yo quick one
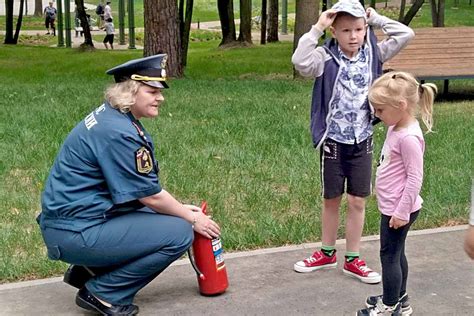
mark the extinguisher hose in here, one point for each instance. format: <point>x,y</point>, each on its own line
<point>193,264</point>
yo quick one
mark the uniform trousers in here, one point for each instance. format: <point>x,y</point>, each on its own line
<point>133,249</point>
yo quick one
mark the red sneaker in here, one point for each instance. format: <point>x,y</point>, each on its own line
<point>358,269</point>
<point>317,261</point>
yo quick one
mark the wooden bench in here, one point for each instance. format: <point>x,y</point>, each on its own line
<point>437,53</point>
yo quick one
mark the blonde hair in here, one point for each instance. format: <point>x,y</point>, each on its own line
<point>394,86</point>
<point>122,95</point>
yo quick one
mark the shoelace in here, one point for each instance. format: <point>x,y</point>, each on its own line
<point>362,265</point>
<point>381,308</point>
<point>313,258</point>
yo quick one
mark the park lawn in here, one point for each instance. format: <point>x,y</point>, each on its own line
<point>233,132</point>
<point>206,10</point>
<point>203,11</point>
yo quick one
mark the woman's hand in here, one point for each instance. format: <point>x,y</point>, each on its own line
<point>203,224</point>
<point>396,223</point>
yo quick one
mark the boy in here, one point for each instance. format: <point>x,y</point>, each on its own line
<point>109,31</point>
<point>341,120</point>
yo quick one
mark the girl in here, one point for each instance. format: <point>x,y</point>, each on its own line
<point>396,97</point>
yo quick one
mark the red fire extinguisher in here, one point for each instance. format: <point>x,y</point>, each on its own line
<point>208,262</point>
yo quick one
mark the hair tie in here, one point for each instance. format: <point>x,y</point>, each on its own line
<point>420,89</point>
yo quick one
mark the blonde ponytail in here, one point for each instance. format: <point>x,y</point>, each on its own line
<point>427,96</point>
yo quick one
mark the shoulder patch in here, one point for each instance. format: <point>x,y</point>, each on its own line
<point>143,160</point>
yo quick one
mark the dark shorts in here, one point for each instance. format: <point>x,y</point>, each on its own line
<point>109,38</point>
<point>49,22</point>
<point>344,165</point>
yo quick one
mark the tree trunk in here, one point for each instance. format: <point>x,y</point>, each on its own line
<point>412,12</point>
<point>437,13</point>
<point>162,33</point>
<point>401,14</point>
<point>226,16</point>
<point>373,3</point>
<point>18,22</point>
<point>272,35</point>
<point>263,23</point>
<point>441,10</point>
<point>245,34</point>
<point>9,22</point>
<point>38,8</point>
<point>434,13</point>
<point>306,15</point>
<point>186,30</point>
<point>81,14</point>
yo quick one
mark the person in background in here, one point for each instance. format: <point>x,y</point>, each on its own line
<point>77,22</point>
<point>107,11</point>
<point>342,119</point>
<point>109,34</point>
<point>104,209</point>
<point>397,98</point>
<point>99,10</point>
<point>50,13</point>
<point>469,239</point>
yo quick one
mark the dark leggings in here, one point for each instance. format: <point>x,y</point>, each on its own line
<point>394,261</point>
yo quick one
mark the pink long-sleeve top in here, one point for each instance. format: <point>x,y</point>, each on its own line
<point>400,172</point>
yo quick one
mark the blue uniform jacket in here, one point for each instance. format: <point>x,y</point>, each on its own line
<point>103,167</point>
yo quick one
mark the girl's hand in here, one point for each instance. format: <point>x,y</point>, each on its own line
<point>396,223</point>
<point>204,225</point>
<point>326,19</point>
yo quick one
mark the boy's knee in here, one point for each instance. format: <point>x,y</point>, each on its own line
<point>356,203</point>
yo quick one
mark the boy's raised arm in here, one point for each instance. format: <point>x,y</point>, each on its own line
<point>309,60</point>
<point>398,34</point>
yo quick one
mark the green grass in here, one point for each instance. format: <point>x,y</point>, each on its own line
<point>206,10</point>
<point>462,15</point>
<point>203,11</point>
<point>233,132</point>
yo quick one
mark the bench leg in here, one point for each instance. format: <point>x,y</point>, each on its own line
<point>446,87</point>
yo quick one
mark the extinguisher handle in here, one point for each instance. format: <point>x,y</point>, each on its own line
<point>193,264</point>
<point>204,207</point>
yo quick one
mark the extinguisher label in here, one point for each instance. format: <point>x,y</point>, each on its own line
<point>218,253</point>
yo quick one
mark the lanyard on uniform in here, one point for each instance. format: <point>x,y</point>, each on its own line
<point>140,132</point>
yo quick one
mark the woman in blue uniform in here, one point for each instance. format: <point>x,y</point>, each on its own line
<point>103,208</point>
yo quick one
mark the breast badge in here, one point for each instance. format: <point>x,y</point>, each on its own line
<point>143,160</point>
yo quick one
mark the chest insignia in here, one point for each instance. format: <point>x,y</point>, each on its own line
<point>143,160</point>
